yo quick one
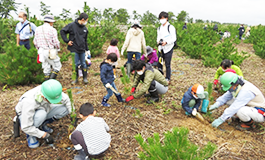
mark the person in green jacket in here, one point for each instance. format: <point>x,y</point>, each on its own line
<point>226,64</point>
<point>153,82</point>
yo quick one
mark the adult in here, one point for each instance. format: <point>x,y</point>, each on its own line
<point>215,28</point>
<point>184,26</point>
<point>134,42</point>
<point>248,31</point>
<point>24,30</point>
<point>77,43</point>
<point>46,39</point>
<point>153,82</point>
<point>38,107</point>
<point>166,34</point>
<point>205,27</point>
<point>241,31</point>
<point>249,103</point>
<point>226,34</point>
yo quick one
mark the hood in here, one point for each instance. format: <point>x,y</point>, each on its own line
<point>136,31</point>
<point>104,63</point>
<point>80,25</point>
<point>148,66</point>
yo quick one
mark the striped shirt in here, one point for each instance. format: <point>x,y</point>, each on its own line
<point>94,130</point>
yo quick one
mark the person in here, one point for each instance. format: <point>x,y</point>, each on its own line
<point>24,30</point>
<point>114,49</point>
<point>134,42</point>
<point>224,66</point>
<point>226,35</point>
<point>166,33</point>
<point>215,27</point>
<point>45,39</point>
<point>248,31</point>
<point>249,103</point>
<point>241,31</point>
<point>107,78</point>
<point>38,107</point>
<point>191,100</point>
<point>153,82</point>
<point>205,27</point>
<point>77,43</point>
<point>184,26</point>
<point>91,137</point>
<point>151,56</point>
<point>221,34</point>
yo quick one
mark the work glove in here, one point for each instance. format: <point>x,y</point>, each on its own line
<point>133,89</point>
<point>48,139</point>
<point>122,52</point>
<point>194,112</point>
<point>107,85</point>
<point>215,81</point>
<point>214,106</point>
<point>128,99</point>
<point>217,122</point>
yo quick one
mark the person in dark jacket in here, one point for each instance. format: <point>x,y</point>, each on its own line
<point>77,42</point>
<point>215,28</point>
<point>107,78</point>
<point>241,31</point>
<point>184,26</point>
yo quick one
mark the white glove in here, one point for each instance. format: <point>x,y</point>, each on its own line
<point>194,112</point>
<point>88,53</point>
<point>122,52</point>
<point>107,85</point>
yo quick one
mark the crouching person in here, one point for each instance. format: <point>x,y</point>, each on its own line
<point>38,107</point>
<point>191,100</point>
<point>91,137</point>
<point>153,82</point>
<point>249,103</point>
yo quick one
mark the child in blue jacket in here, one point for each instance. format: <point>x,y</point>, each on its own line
<point>107,78</point>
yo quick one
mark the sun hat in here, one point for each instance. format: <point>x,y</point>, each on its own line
<point>49,18</point>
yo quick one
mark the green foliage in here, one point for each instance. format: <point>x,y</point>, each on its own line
<point>175,145</point>
<point>65,14</point>
<point>7,30</point>
<point>6,6</point>
<point>73,113</point>
<point>149,18</point>
<point>150,33</point>
<point>122,16</point>
<point>64,57</point>
<point>95,40</point>
<point>182,16</point>
<point>138,113</point>
<point>73,66</point>
<point>44,9</point>
<point>125,81</point>
<point>257,37</point>
<point>136,16</point>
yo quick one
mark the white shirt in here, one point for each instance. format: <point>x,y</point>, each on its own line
<point>25,32</point>
<point>170,38</point>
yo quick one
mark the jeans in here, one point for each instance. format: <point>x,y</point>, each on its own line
<point>110,92</point>
<point>130,56</point>
<point>240,36</point>
<point>25,43</point>
<point>80,60</point>
<point>167,58</point>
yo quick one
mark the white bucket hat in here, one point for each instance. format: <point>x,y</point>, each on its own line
<point>49,18</point>
<point>137,23</point>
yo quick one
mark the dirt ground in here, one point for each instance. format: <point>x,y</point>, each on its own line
<point>232,144</point>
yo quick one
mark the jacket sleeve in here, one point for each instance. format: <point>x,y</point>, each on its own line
<point>105,125</point>
<point>238,70</point>
<point>136,81</point>
<point>65,31</point>
<point>149,76</point>
<point>198,103</point>
<point>153,59</point>
<point>66,101</point>
<point>86,40</point>
<point>185,105</point>
<point>35,42</point>
<point>158,35</point>
<point>103,73</point>
<point>173,35</point>
<point>160,78</point>
<point>224,98</point>
<point>127,40</point>
<point>218,73</point>
<point>144,44</point>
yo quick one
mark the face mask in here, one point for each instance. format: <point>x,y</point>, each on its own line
<point>232,90</point>
<point>163,21</point>
<point>140,72</point>
<point>21,19</point>
<point>85,23</point>
<point>195,96</point>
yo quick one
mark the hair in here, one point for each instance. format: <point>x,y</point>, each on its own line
<point>226,63</point>
<point>113,57</point>
<point>138,65</point>
<point>86,109</point>
<point>163,14</point>
<point>83,16</point>
<point>114,42</point>
<point>185,23</point>
<point>136,26</point>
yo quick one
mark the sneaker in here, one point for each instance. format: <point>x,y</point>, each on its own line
<point>104,104</point>
<point>246,127</point>
<point>32,141</point>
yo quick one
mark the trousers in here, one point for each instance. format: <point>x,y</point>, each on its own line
<point>246,113</point>
<point>47,63</point>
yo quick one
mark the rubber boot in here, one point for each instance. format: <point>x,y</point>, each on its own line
<point>84,70</point>
<point>104,102</point>
<point>154,97</point>
<point>76,79</point>
<point>246,126</point>
<point>119,98</point>
<point>129,67</point>
<point>46,76</point>
<point>32,141</point>
<point>54,74</point>
<point>44,126</point>
<point>81,155</point>
<point>147,95</point>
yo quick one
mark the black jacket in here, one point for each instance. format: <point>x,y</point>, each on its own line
<point>241,30</point>
<point>77,34</point>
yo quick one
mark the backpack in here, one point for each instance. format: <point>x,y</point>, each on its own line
<point>175,43</point>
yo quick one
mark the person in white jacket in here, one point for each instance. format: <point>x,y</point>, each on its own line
<point>38,107</point>
<point>134,42</point>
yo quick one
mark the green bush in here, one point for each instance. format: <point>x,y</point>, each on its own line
<point>257,37</point>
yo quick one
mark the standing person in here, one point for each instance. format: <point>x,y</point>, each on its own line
<point>77,43</point>
<point>114,49</point>
<point>45,39</point>
<point>24,30</point>
<point>249,103</point>
<point>184,26</point>
<point>248,31</point>
<point>166,35</point>
<point>241,31</point>
<point>134,42</point>
<point>90,138</point>
<point>215,28</point>
<point>38,107</point>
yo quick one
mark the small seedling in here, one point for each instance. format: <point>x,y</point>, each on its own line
<point>73,113</point>
<point>73,66</point>
<point>137,113</point>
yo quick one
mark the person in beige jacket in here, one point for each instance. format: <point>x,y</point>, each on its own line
<point>134,42</point>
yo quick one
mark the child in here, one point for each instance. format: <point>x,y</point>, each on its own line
<point>226,64</point>
<point>107,78</point>
<point>91,137</point>
<point>191,100</point>
<point>114,49</point>
<point>151,56</point>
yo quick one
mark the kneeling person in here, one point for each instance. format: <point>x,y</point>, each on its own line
<point>153,82</point>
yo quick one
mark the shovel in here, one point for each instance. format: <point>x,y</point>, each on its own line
<point>118,95</point>
<point>200,117</point>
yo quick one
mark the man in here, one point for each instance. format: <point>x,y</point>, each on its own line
<point>153,82</point>
<point>205,27</point>
<point>241,31</point>
<point>36,108</point>
<point>184,26</point>
<point>77,43</point>
<point>249,103</point>
<point>24,30</point>
<point>46,39</point>
<point>166,33</point>
<point>215,28</point>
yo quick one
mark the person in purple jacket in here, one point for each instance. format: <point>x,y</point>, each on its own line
<point>151,56</point>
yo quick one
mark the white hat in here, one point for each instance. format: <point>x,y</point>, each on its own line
<point>49,18</point>
<point>199,90</point>
<point>137,23</point>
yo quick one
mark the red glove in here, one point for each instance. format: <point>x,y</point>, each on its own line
<point>128,99</point>
<point>38,59</point>
<point>133,89</point>
<point>261,112</point>
<point>215,81</point>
